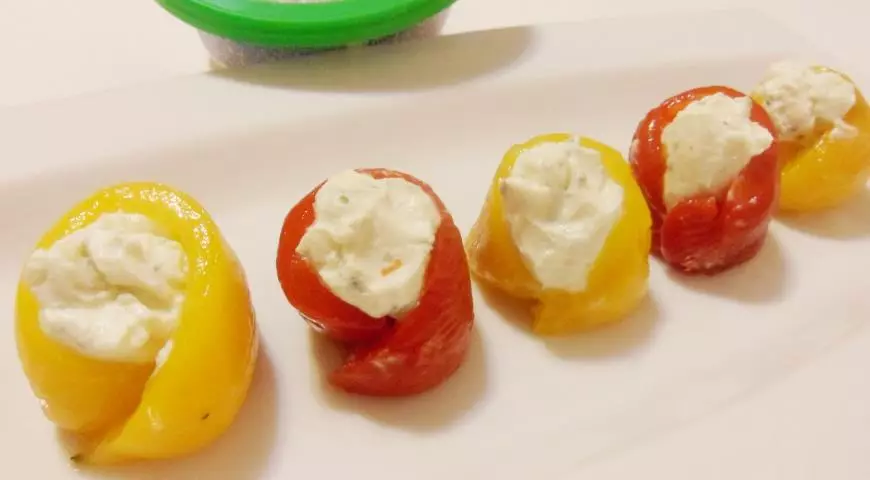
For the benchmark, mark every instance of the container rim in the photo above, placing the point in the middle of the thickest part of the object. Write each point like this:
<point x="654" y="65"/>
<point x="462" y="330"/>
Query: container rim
<point x="313" y="25"/>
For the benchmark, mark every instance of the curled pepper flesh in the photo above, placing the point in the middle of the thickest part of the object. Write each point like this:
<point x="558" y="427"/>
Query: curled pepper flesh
<point x="130" y="411"/>
<point x="617" y="281"/>
<point x="705" y="233"/>
<point x="388" y="356"/>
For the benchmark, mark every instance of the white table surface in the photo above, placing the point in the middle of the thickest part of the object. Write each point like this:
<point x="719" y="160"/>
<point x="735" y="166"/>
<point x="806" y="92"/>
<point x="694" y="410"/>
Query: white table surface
<point x="813" y="424"/>
<point x="57" y="48"/>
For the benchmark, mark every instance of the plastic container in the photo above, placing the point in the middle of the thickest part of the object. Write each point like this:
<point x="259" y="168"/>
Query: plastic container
<point x="243" y="32"/>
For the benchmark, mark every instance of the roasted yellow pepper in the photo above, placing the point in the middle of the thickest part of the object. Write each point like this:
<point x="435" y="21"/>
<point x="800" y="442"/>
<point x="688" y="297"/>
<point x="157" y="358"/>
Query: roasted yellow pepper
<point x="129" y="411"/>
<point x="822" y="170"/>
<point x="617" y="281"/>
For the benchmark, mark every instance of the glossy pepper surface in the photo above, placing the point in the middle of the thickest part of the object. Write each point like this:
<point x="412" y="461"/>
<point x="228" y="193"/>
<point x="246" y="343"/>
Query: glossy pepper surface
<point x="705" y="233"/>
<point x="129" y="411"/>
<point x="618" y="278"/>
<point x="388" y="356"/>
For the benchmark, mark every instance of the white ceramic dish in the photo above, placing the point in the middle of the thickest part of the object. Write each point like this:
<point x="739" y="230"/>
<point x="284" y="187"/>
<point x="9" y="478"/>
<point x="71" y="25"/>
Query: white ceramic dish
<point x="249" y="143"/>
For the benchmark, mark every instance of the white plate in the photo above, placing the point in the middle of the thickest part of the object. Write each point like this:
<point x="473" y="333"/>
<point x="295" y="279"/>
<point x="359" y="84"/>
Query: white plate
<point x="248" y="146"/>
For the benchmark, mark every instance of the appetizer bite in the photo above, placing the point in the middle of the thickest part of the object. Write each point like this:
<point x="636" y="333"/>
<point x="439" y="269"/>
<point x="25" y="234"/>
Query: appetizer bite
<point x="134" y="325"/>
<point x="372" y="259"/>
<point x="706" y="162"/>
<point x="565" y="226"/>
<point x="823" y="123"/>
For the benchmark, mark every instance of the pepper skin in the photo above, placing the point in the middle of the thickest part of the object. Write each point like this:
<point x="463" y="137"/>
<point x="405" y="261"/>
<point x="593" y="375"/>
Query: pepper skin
<point x="706" y="233"/>
<point x="120" y="410"/>
<point x="388" y="357"/>
<point x="617" y="280"/>
<point x="821" y="170"/>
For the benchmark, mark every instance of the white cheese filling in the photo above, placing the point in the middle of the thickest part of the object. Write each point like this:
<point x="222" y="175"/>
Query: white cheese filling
<point x="798" y="96"/>
<point x="707" y="145"/>
<point x="112" y="290"/>
<point x="561" y="205"/>
<point x="371" y="241"/>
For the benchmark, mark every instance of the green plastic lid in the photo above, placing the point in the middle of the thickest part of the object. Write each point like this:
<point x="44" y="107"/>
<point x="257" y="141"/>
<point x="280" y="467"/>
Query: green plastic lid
<point x="309" y="25"/>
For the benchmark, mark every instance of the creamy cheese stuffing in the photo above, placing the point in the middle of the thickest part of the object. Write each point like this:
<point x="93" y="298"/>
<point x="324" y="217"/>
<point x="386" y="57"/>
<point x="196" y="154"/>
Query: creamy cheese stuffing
<point x="371" y="241"/>
<point x="112" y="290"/>
<point x="561" y="205"/>
<point x="707" y="144"/>
<point x="798" y="96"/>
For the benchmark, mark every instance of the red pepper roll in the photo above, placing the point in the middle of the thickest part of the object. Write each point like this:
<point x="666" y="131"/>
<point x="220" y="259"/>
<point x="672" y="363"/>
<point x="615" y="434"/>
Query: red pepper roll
<point x="393" y="354"/>
<point x="706" y="160"/>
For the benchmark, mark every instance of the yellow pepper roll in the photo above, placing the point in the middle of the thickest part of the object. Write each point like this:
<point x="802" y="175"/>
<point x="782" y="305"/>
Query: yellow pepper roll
<point x="565" y="226"/>
<point x="823" y="123"/>
<point x="134" y="325"/>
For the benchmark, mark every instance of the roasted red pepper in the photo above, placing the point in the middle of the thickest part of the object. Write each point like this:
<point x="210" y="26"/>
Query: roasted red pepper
<point x="388" y="357"/>
<point x="710" y="232"/>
